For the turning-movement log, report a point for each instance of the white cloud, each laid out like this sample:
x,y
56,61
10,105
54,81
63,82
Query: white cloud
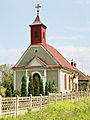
x,y
81,56
89,22
87,1
10,56
50,38
82,2
78,28
64,37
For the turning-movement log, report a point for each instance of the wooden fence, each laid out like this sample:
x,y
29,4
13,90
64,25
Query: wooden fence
x,y
19,105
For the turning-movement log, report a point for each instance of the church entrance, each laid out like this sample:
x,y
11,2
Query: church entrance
x,y
36,76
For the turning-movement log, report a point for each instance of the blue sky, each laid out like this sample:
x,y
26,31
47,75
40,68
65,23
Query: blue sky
x,y
68,28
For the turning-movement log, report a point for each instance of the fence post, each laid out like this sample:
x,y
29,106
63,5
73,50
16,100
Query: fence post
x,y
84,93
17,105
77,95
0,104
41,102
48,98
56,98
81,94
71,96
88,93
62,96
30,100
67,95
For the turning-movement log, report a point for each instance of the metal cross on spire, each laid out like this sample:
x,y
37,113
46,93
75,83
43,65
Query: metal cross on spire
x,y
37,7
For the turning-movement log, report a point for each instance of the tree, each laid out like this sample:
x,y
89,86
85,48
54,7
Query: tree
x,y
16,92
82,85
53,83
30,86
41,87
1,93
46,88
8,91
50,87
8,79
23,86
54,89
36,86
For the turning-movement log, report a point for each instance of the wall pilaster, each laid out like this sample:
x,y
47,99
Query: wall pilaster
x,y
15,80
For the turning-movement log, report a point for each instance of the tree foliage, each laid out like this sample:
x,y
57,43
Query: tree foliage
x,y
82,85
54,89
8,79
36,86
23,86
1,93
30,86
8,90
16,92
53,83
50,87
46,88
41,87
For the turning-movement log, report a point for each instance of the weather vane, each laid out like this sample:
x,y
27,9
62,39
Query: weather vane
x,y
37,7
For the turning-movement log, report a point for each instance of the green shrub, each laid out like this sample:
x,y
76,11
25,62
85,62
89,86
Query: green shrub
x,y
8,90
30,86
36,86
46,88
16,92
1,93
50,87
41,87
53,83
54,89
23,86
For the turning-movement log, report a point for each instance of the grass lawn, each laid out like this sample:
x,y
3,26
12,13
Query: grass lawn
x,y
61,111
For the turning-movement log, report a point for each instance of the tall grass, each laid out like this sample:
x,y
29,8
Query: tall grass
x,y
61,111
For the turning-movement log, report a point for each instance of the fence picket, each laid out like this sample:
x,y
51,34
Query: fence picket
x,y
17,105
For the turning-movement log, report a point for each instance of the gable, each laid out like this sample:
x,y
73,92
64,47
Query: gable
x,y
36,51
36,62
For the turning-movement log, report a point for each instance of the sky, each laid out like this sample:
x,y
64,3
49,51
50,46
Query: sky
x,y
68,29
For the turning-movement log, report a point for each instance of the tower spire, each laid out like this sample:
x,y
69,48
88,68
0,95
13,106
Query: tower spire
x,y
37,7
38,30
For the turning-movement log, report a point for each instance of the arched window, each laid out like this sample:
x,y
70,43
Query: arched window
x,y
75,86
69,84
34,77
65,82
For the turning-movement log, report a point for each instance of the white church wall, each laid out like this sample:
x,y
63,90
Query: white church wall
x,y
67,73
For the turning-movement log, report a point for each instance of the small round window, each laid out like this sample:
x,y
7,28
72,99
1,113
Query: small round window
x,y
36,50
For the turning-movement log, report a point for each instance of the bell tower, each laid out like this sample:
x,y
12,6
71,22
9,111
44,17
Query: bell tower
x,y
38,30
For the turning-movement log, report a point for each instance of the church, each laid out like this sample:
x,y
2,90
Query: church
x,y
44,61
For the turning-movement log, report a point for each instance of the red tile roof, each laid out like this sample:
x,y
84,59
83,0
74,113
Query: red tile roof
x,y
59,58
